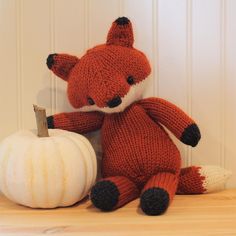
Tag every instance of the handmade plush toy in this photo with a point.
(139, 158)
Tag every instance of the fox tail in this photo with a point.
(202, 179)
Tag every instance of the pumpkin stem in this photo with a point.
(41, 120)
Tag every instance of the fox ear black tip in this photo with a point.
(50, 60)
(122, 20)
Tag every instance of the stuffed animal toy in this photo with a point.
(139, 157)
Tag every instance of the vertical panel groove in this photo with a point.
(52, 48)
(86, 24)
(155, 49)
(121, 8)
(19, 7)
(223, 77)
(189, 68)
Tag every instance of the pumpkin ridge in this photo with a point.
(83, 160)
(63, 170)
(94, 160)
(86, 169)
(29, 163)
(36, 157)
(45, 171)
(54, 157)
(20, 171)
(4, 168)
(73, 142)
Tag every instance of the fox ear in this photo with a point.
(61, 64)
(121, 33)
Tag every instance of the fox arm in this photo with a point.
(179, 123)
(80, 122)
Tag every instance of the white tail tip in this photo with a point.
(215, 177)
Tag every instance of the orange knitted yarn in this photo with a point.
(78, 121)
(121, 33)
(191, 181)
(139, 158)
(138, 150)
(163, 180)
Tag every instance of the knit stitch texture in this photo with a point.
(139, 157)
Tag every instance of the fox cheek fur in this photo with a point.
(108, 77)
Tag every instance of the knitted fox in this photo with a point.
(139, 158)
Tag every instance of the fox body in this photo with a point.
(127, 154)
(139, 158)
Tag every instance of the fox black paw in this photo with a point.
(50, 60)
(191, 135)
(154, 201)
(104, 195)
(50, 122)
(122, 21)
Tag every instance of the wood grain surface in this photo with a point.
(210, 214)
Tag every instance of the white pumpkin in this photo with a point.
(46, 172)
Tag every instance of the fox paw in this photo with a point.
(50, 122)
(50, 60)
(104, 195)
(154, 201)
(191, 135)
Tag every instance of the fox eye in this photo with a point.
(130, 80)
(90, 101)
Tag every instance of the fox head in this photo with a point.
(109, 77)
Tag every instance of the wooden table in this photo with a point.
(210, 214)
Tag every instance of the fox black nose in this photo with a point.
(116, 101)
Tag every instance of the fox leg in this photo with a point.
(158, 193)
(113, 192)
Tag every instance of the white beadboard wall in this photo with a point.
(191, 45)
